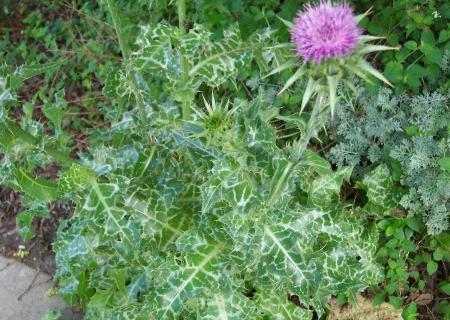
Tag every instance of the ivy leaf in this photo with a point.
(412, 45)
(413, 75)
(432, 267)
(445, 288)
(394, 71)
(428, 47)
(396, 302)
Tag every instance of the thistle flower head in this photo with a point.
(325, 31)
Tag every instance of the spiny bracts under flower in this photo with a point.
(325, 31)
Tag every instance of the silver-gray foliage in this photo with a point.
(412, 134)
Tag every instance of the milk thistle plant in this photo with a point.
(331, 48)
(190, 207)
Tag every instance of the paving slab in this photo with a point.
(24, 292)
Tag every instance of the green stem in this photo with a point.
(185, 107)
(299, 149)
(181, 4)
(311, 129)
(116, 21)
(281, 178)
(186, 110)
(126, 52)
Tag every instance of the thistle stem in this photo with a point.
(299, 149)
(311, 129)
(126, 52)
(116, 22)
(185, 108)
(181, 13)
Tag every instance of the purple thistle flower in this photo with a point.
(325, 31)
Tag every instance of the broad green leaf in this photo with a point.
(396, 302)
(432, 53)
(428, 47)
(382, 194)
(412, 45)
(38, 188)
(228, 306)
(445, 287)
(223, 59)
(432, 267)
(272, 306)
(413, 75)
(316, 162)
(325, 190)
(416, 224)
(298, 245)
(394, 71)
(200, 274)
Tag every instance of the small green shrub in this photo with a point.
(411, 135)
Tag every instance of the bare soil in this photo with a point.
(36, 253)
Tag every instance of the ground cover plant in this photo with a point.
(203, 189)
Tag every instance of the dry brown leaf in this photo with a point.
(365, 310)
(424, 299)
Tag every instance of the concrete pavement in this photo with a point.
(24, 293)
